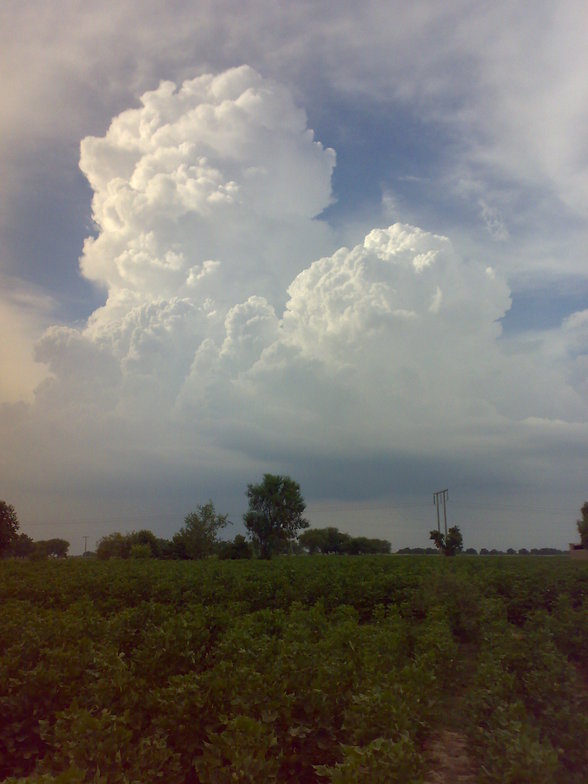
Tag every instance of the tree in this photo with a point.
(22, 546)
(326, 540)
(145, 538)
(140, 552)
(57, 548)
(237, 549)
(275, 512)
(583, 525)
(362, 545)
(114, 545)
(313, 540)
(50, 548)
(199, 535)
(450, 544)
(8, 526)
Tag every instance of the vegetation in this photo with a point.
(449, 544)
(332, 541)
(8, 526)
(293, 670)
(233, 551)
(275, 513)
(199, 536)
(582, 524)
(22, 546)
(50, 548)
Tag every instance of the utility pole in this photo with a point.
(444, 495)
(85, 544)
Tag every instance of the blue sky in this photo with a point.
(344, 243)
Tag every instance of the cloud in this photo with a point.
(205, 204)
(204, 190)
(23, 315)
(206, 200)
(236, 336)
(380, 346)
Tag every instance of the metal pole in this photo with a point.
(436, 495)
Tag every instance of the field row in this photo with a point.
(295, 670)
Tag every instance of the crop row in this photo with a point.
(297, 670)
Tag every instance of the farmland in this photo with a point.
(316, 669)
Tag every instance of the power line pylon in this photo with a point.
(444, 495)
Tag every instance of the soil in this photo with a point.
(448, 759)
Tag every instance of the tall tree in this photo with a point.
(275, 512)
(450, 545)
(583, 525)
(8, 526)
(199, 535)
(22, 546)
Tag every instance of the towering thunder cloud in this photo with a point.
(206, 203)
(235, 335)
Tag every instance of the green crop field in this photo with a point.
(307, 669)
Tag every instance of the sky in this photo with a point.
(343, 242)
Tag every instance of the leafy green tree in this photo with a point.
(275, 512)
(115, 545)
(57, 548)
(50, 548)
(140, 552)
(146, 538)
(335, 541)
(313, 540)
(165, 548)
(583, 525)
(21, 547)
(237, 549)
(450, 545)
(8, 526)
(362, 545)
(198, 538)
(324, 540)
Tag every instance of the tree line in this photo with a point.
(274, 522)
(15, 544)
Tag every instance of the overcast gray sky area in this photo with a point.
(341, 241)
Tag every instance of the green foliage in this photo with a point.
(449, 545)
(8, 526)
(582, 524)
(324, 540)
(114, 545)
(145, 538)
(242, 752)
(50, 548)
(140, 551)
(137, 544)
(237, 549)
(294, 670)
(362, 545)
(331, 540)
(275, 512)
(22, 546)
(199, 536)
(382, 761)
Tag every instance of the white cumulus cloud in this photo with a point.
(234, 328)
